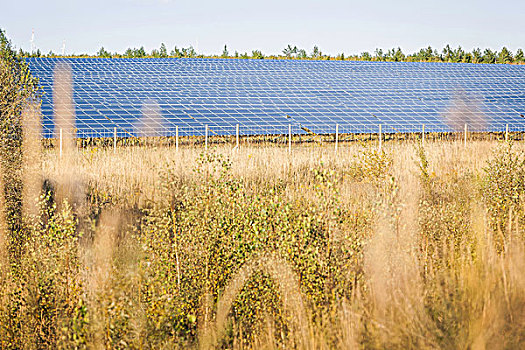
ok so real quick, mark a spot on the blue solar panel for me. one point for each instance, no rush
(151, 97)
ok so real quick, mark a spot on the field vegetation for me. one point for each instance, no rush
(411, 247)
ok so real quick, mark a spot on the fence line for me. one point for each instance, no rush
(238, 130)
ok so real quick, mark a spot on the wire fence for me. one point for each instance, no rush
(212, 130)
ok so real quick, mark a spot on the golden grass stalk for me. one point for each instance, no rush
(64, 112)
(392, 268)
(70, 184)
(31, 158)
(98, 265)
(283, 275)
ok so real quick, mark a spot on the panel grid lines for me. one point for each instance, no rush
(151, 97)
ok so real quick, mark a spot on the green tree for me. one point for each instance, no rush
(447, 54)
(378, 55)
(301, 54)
(519, 56)
(18, 88)
(141, 52)
(103, 53)
(225, 53)
(489, 56)
(424, 55)
(176, 52)
(458, 55)
(163, 52)
(316, 53)
(477, 57)
(189, 52)
(504, 56)
(399, 56)
(366, 56)
(290, 51)
(257, 54)
(155, 53)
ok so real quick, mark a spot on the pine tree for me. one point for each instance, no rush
(489, 56)
(505, 56)
(176, 52)
(477, 57)
(257, 54)
(316, 53)
(163, 52)
(519, 56)
(141, 52)
(289, 51)
(103, 53)
(225, 53)
(458, 55)
(155, 53)
(399, 56)
(378, 55)
(366, 56)
(448, 54)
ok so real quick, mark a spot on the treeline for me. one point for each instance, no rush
(429, 54)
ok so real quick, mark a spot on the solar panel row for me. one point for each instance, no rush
(154, 96)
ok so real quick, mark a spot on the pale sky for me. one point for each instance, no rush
(268, 25)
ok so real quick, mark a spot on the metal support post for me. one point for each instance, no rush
(237, 135)
(336, 136)
(114, 140)
(289, 138)
(466, 131)
(206, 136)
(176, 138)
(380, 137)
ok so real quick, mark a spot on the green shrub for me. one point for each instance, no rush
(503, 191)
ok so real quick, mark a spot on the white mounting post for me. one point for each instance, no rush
(289, 138)
(423, 134)
(60, 142)
(206, 137)
(507, 132)
(176, 138)
(466, 130)
(336, 136)
(237, 135)
(380, 137)
(114, 140)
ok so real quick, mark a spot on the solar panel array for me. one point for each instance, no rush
(151, 97)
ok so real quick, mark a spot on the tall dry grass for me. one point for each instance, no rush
(411, 247)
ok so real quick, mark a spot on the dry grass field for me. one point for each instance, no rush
(151, 247)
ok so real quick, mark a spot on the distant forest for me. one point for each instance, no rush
(429, 54)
